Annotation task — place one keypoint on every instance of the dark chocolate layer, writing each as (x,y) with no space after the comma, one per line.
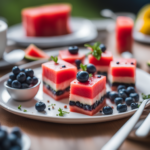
(59,92)
(85,106)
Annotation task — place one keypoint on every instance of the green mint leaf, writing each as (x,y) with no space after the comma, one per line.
(61,112)
(24,110)
(83,67)
(88,53)
(90,75)
(55,59)
(88,45)
(19,107)
(145,96)
(96,45)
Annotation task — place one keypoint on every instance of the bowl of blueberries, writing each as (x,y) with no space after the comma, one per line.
(22,85)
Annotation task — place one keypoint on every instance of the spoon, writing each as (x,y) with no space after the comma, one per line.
(14,56)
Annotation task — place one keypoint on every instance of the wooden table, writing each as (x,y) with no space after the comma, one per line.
(46,136)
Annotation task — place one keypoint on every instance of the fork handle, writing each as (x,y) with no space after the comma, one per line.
(115,142)
(144,129)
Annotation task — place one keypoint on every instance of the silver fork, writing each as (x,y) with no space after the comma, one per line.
(115,142)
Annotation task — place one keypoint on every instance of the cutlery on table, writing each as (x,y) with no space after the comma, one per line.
(144,129)
(115,142)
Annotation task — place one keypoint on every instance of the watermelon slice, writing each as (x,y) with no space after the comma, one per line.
(34,53)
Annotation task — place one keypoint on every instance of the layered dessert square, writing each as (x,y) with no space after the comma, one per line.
(47,20)
(102,65)
(57,78)
(122,71)
(71,58)
(88,97)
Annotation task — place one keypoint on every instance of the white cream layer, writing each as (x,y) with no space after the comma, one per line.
(113,79)
(102,68)
(88,101)
(60,86)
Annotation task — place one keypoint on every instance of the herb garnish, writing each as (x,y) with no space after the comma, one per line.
(24,110)
(51,105)
(55,59)
(83,67)
(61,112)
(19,107)
(90,75)
(96,51)
(144,97)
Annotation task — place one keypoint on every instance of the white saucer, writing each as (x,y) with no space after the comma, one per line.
(83,31)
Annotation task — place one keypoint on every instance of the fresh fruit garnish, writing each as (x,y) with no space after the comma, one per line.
(118,100)
(83,67)
(40,106)
(19,107)
(29,72)
(91,68)
(122,108)
(129,100)
(107,110)
(63,66)
(82,76)
(122,95)
(135,96)
(12,76)
(55,59)
(145,96)
(134,105)
(96,51)
(113,95)
(130,89)
(121,87)
(16,70)
(102,47)
(73,49)
(16,84)
(123,90)
(61,112)
(21,77)
(29,80)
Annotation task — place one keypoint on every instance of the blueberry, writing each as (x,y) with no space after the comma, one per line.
(40,106)
(103,47)
(3,136)
(9,82)
(22,70)
(91,68)
(63,66)
(60,92)
(73,49)
(121,87)
(134,105)
(78,103)
(15,148)
(113,95)
(16,84)
(107,94)
(78,62)
(16,70)
(68,88)
(34,80)
(135,96)
(21,77)
(122,95)
(72,103)
(129,100)
(29,72)
(81,105)
(118,100)
(117,62)
(16,131)
(12,138)
(24,86)
(6,144)
(82,76)
(29,80)
(107,110)
(122,108)
(124,91)
(130,89)
(12,76)
(99,76)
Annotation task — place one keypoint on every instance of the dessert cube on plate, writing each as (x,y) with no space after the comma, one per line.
(57,78)
(88,97)
(102,65)
(122,71)
(71,55)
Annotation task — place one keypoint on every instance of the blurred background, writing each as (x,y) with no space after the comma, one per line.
(81,8)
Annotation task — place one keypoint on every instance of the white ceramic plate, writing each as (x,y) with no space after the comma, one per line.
(83,31)
(142,86)
(140,37)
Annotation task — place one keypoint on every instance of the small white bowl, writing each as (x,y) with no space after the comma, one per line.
(23,94)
